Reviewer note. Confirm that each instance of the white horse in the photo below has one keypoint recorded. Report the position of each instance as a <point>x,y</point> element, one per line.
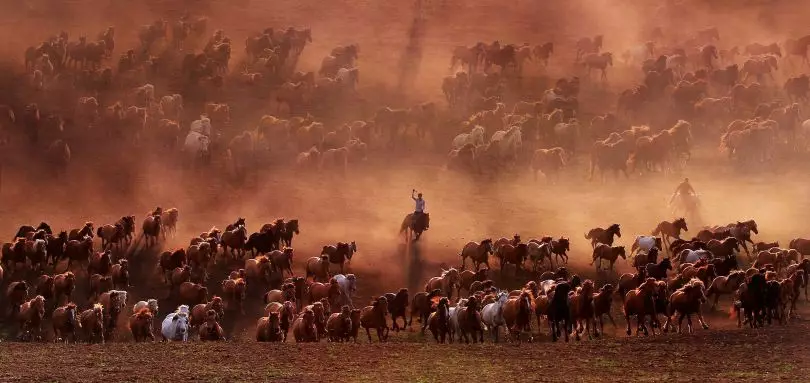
<point>492,314</point>
<point>644,243</point>
<point>475,137</point>
<point>509,141</point>
<point>693,256</point>
<point>175,326</point>
<point>348,287</point>
<point>454,311</point>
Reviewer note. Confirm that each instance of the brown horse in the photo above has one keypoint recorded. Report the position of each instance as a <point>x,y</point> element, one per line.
<point>608,253</point>
<point>723,248</point>
<point>397,307</point>
<point>63,286</point>
<point>669,230</point>
<point>439,321</point>
<point>422,305</point>
<point>331,291</point>
<point>92,321</point>
<point>65,322</point>
<point>374,317</point>
<point>448,281</point>
<point>467,278</point>
<point>318,268</point>
<point>686,301</point>
<point>140,325</point>
<point>286,312</point>
<point>31,315</point>
<point>600,235</point>
<point>151,228</point>
<point>235,240</point>
<point>640,302</point>
<point>268,329</point>
<point>339,325</point>
<point>282,260</point>
<point>339,253</point>
<point>304,327</point>
<point>84,231</point>
<point>582,309</point>
<point>517,313</point>
<point>725,285</point>
<point>414,228</point>
<point>602,302</point>
<point>477,252</point>
<point>514,254</point>
<point>198,312</point>
<point>469,321</point>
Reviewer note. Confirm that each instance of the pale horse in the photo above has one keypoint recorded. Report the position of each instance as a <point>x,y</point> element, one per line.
<point>492,314</point>
<point>475,137</point>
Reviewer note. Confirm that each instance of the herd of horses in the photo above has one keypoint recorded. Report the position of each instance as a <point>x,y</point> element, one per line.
<point>459,304</point>
<point>173,90</point>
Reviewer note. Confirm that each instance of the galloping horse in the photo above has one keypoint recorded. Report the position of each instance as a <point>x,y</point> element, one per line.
<point>414,228</point>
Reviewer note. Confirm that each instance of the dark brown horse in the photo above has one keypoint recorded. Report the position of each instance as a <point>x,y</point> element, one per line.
<point>600,235</point>
<point>340,253</point>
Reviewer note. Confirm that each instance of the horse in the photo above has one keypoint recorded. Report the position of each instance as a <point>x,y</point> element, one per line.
<point>439,321</point>
<point>514,254</point>
<point>151,229</point>
<point>478,252</point>
<point>600,235</point>
<point>537,252</point>
<point>640,302</point>
<point>517,314</point>
<point>492,314</point>
<point>559,312</point>
<point>469,321</point>
<point>686,301</point>
<point>560,247</point>
<point>340,253</point>
<point>374,317</point>
<point>234,239</point>
<point>601,306</point>
<point>449,280</point>
<point>606,252</point>
<point>668,230</point>
<point>414,228</point>
<point>642,258</point>
<point>644,243</point>
<point>582,309</point>
<point>658,270</point>
<point>725,285</point>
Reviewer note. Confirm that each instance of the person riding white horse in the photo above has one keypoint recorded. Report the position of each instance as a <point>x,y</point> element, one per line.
<point>419,209</point>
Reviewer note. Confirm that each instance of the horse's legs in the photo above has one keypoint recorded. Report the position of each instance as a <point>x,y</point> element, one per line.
<point>702,321</point>
<point>368,333</point>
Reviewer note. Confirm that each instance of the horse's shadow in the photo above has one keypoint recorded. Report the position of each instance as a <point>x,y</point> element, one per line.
<point>411,255</point>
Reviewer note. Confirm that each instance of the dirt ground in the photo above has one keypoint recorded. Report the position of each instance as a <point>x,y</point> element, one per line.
<point>771,354</point>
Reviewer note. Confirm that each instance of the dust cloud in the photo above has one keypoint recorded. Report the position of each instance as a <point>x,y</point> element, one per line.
<point>368,204</point>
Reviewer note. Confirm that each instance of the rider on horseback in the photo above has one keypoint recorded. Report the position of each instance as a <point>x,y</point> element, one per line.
<point>684,191</point>
<point>419,210</point>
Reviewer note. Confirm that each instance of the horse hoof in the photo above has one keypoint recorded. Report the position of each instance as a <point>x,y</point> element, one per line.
<point>705,327</point>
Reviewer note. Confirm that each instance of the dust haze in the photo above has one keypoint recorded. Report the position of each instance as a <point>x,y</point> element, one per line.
<point>368,204</point>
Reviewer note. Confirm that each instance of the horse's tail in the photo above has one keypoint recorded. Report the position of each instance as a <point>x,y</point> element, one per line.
<point>405,225</point>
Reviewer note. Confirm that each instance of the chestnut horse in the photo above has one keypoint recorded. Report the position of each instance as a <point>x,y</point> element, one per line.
<point>600,235</point>
<point>669,230</point>
<point>477,252</point>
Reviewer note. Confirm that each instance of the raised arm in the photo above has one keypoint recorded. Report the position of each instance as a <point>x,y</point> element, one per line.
<point>412,194</point>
